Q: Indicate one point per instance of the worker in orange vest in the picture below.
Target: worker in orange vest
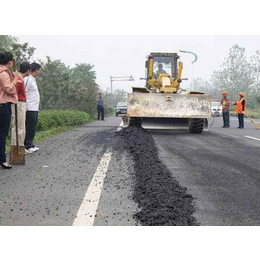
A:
(240, 109)
(226, 103)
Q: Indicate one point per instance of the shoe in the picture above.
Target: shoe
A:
(31, 150)
(34, 149)
(27, 151)
(102, 119)
(239, 127)
(6, 166)
(223, 126)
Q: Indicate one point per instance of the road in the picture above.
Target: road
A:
(220, 168)
(87, 177)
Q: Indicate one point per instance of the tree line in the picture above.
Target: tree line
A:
(237, 73)
(63, 87)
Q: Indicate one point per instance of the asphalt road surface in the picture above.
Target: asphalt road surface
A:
(87, 177)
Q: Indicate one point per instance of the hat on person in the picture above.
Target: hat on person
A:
(224, 93)
(241, 94)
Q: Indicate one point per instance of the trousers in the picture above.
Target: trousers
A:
(240, 120)
(21, 112)
(31, 123)
(100, 111)
(226, 120)
(5, 120)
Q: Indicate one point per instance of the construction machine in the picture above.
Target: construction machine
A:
(162, 103)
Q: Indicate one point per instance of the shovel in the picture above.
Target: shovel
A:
(17, 153)
(214, 116)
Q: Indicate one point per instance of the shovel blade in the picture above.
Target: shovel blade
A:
(17, 156)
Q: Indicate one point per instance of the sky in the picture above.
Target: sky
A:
(122, 55)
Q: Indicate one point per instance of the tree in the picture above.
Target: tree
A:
(83, 89)
(204, 86)
(54, 84)
(119, 95)
(21, 52)
(6, 42)
(235, 74)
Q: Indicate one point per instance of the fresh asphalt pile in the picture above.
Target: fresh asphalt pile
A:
(161, 199)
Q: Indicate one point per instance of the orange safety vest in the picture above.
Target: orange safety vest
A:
(239, 106)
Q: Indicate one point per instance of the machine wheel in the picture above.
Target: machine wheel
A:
(137, 121)
(196, 125)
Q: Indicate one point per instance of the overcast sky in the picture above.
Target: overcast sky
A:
(126, 55)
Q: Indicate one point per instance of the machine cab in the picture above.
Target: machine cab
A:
(162, 63)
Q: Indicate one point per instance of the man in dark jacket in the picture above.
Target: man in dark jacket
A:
(100, 107)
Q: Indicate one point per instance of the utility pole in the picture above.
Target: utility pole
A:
(111, 99)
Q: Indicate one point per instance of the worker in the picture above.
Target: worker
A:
(240, 109)
(160, 71)
(225, 102)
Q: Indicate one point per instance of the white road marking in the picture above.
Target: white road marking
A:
(87, 211)
(120, 126)
(250, 137)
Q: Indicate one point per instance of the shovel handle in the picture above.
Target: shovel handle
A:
(16, 125)
(215, 116)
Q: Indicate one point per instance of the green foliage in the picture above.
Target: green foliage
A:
(60, 86)
(83, 89)
(21, 52)
(258, 100)
(6, 43)
(55, 118)
(53, 85)
(108, 110)
(236, 74)
(118, 96)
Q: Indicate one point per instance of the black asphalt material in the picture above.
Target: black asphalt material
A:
(161, 199)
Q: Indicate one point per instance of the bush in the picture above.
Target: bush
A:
(49, 119)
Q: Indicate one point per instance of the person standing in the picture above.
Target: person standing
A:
(225, 102)
(32, 106)
(8, 96)
(100, 107)
(240, 109)
(21, 106)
